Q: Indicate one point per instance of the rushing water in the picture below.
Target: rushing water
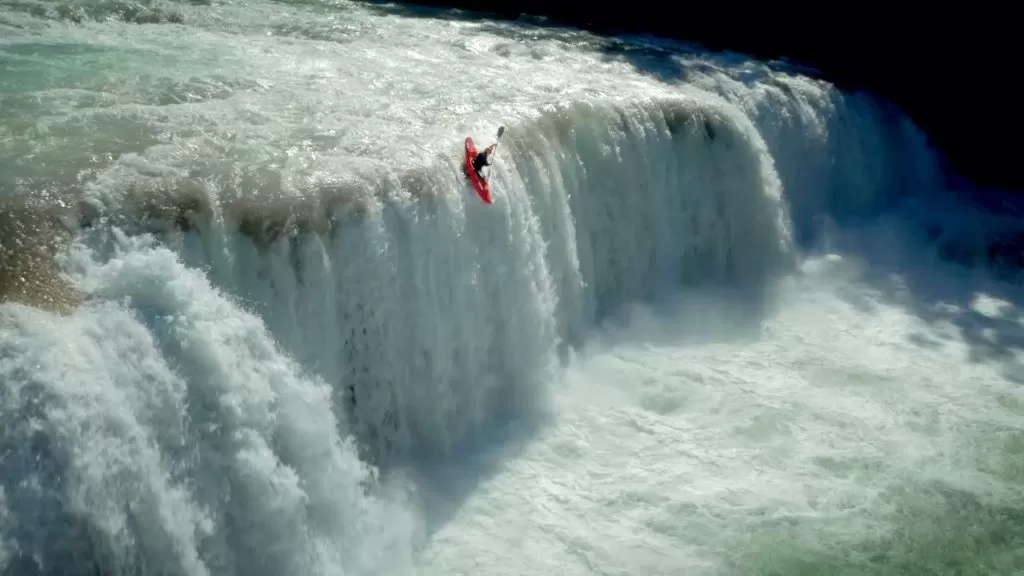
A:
(255, 321)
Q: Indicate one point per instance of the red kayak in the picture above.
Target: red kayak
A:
(479, 184)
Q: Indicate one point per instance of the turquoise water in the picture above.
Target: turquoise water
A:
(255, 321)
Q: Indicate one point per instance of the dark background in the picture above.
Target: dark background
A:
(954, 72)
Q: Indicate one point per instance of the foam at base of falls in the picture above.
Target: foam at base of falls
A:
(167, 429)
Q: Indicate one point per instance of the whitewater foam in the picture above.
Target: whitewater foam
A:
(285, 337)
(165, 424)
(830, 439)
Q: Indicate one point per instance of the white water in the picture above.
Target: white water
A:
(329, 357)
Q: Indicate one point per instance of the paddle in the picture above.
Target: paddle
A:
(501, 130)
(494, 147)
